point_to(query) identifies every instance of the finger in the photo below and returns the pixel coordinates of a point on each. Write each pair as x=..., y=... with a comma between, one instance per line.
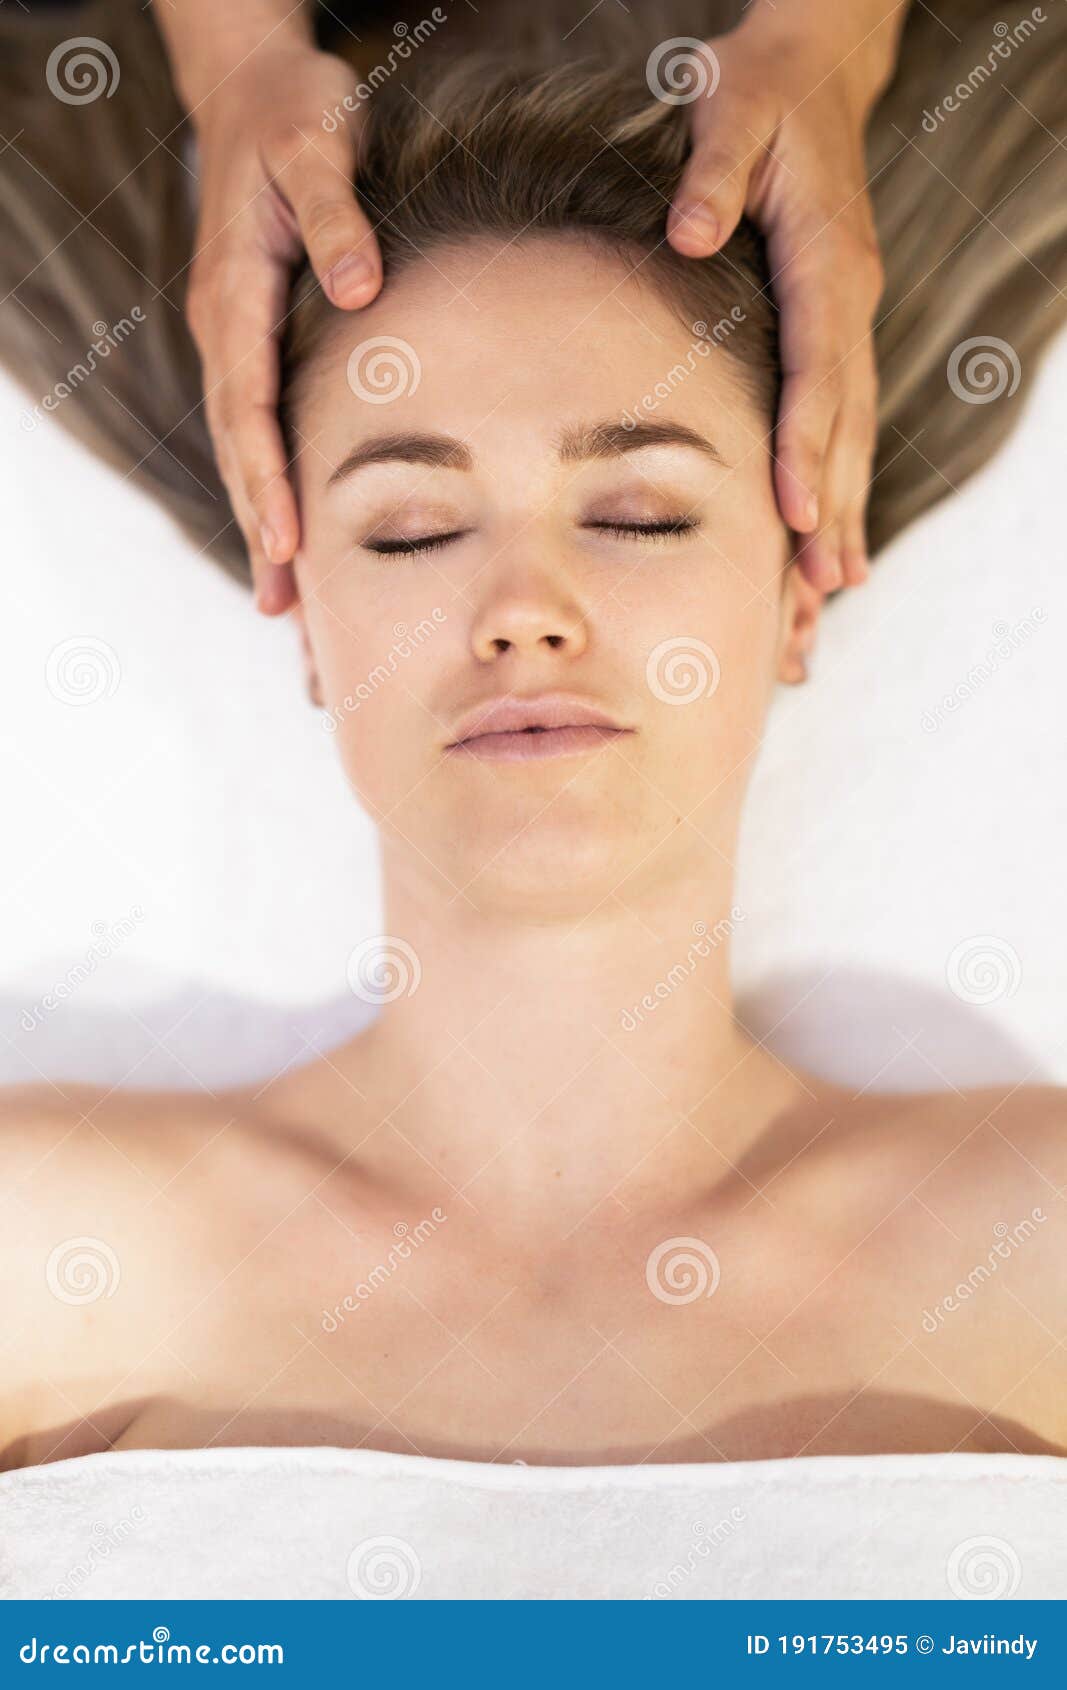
x=711, y=194
x=823, y=554
x=808, y=407
x=273, y=584
x=820, y=276
x=315, y=173
x=856, y=447
x=813, y=348
x=266, y=508
x=819, y=557
x=846, y=484
x=854, y=558
x=238, y=319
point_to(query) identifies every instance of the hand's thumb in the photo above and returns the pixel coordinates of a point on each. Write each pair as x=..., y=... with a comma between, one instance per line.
x=710, y=198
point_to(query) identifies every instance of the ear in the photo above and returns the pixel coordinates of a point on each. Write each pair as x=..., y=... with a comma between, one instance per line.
x=311, y=672
x=801, y=608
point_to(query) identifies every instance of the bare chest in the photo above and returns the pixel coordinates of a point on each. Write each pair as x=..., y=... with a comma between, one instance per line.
x=648, y=1355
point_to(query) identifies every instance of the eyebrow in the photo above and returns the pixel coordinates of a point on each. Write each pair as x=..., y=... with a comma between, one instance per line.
x=440, y=451
x=577, y=444
x=612, y=439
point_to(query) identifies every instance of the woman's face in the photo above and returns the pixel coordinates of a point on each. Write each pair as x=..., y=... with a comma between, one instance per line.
x=526, y=487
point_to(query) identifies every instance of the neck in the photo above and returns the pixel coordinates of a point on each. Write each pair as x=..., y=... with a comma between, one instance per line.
x=564, y=1059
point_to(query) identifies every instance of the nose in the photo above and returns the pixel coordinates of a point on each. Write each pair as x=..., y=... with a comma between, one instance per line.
x=531, y=613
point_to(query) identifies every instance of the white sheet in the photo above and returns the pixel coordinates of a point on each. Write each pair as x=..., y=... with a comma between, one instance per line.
x=361, y=1524
x=201, y=790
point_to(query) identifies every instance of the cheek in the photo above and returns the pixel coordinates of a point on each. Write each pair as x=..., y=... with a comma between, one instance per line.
x=702, y=634
x=702, y=627
x=380, y=663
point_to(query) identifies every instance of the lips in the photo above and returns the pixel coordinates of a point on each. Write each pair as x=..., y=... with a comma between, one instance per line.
x=526, y=729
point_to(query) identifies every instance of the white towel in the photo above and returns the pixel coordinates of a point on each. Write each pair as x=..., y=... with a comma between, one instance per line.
x=334, y=1523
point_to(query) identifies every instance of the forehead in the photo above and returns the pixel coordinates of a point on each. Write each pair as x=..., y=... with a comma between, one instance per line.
x=494, y=340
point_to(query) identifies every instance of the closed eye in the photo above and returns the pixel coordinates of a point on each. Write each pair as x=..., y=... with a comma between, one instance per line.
x=646, y=530
x=665, y=530
x=428, y=543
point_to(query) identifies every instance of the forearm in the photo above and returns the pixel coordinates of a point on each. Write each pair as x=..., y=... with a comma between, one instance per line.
x=859, y=37
x=207, y=40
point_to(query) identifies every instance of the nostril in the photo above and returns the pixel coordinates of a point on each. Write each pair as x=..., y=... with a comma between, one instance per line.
x=554, y=640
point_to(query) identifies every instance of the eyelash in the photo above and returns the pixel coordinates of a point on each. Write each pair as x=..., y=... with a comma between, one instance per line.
x=667, y=530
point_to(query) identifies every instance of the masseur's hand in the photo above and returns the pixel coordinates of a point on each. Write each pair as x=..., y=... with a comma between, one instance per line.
x=275, y=181
x=777, y=133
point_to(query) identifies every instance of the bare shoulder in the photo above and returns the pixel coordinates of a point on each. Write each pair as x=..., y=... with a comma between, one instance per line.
x=971, y=1150
x=974, y=1235
x=986, y=1152
x=62, y=1147
x=945, y=1223
x=112, y=1204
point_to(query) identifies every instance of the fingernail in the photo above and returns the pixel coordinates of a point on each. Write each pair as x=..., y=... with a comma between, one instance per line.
x=811, y=511
x=349, y=279
x=696, y=222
